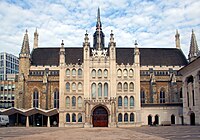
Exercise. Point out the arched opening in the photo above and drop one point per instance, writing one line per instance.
(100, 117)
(156, 119)
(173, 119)
(192, 119)
(149, 120)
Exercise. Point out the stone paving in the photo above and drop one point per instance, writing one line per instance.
(138, 133)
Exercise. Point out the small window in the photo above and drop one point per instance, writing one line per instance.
(125, 73)
(131, 73)
(131, 86)
(125, 86)
(162, 96)
(67, 72)
(73, 86)
(93, 89)
(93, 73)
(56, 99)
(119, 86)
(142, 96)
(132, 101)
(105, 73)
(80, 87)
(67, 86)
(67, 102)
(125, 101)
(35, 99)
(106, 90)
(99, 73)
(73, 101)
(79, 72)
(119, 101)
(120, 117)
(100, 90)
(79, 102)
(119, 73)
(73, 72)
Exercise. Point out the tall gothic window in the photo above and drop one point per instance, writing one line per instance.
(56, 99)
(73, 72)
(80, 86)
(125, 101)
(125, 117)
(67, 102)
(79, 102)
(73, 117)
(119, 86)
(125, 73)
(35, 99)
(67, 72)
(132, 118)
(131, 86)
(73, 86)
(105, 73)
(162, 96)
(99, 73)
(93, 73)
(79, 117)
(99, 90)
(67, 117)
(119, 73)
(106, 90)
(73, 101)
(120, 117)
(93, 89)
(119, 101)
(142, 96)
(131, 101)
(125, 86)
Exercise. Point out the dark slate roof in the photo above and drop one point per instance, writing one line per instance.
(50, 56)
(148, 56)
(152, 56)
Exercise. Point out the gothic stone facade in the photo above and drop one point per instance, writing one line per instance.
(102, 86)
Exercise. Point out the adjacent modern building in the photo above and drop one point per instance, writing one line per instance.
(99, 85)
(9, 64)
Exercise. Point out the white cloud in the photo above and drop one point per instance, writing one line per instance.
(152, 23)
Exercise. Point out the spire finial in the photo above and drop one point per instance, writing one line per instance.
(36, 29)
(177, 40)
(26, 31)
(194, 49)
(62, 44)
(136, 43)
(98, 25)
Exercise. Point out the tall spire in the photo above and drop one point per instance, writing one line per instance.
(98, 37)
(98, 24)
(177, 39)
(25, 50)
(194, 50)
(35, 43)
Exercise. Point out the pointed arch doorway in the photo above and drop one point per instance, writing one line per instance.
(100, 117)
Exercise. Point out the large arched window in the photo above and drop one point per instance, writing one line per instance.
(73, 86)
(125, 117)
(93, 73)
(119, 73)
(106, 90)
(56, 99)
(67, 117)
(80, 87)
(67, 102)
(35, 98)
(73, 117)
(120, 117)
(131, 101)
(162, 95)
(132, 118)
(73, 101)
(131, 86)
(93, 89)
(125, 73)
(125, 101)
(67, 72)
(79, 72)
(119, 101)
(73, 72)
(125, 86)
(119, 86)
(67, 86)
(79, 102)
(79, 117)
(99, 90)
(142, 96)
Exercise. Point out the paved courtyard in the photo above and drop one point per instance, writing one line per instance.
(139, 133)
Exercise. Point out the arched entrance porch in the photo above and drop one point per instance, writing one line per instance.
(100, 117)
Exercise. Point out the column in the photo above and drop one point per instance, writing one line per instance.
(27, 121)
(48, 121)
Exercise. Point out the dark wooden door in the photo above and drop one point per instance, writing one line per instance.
(100, 117)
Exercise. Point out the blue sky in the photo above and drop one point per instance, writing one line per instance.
(152, 23)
